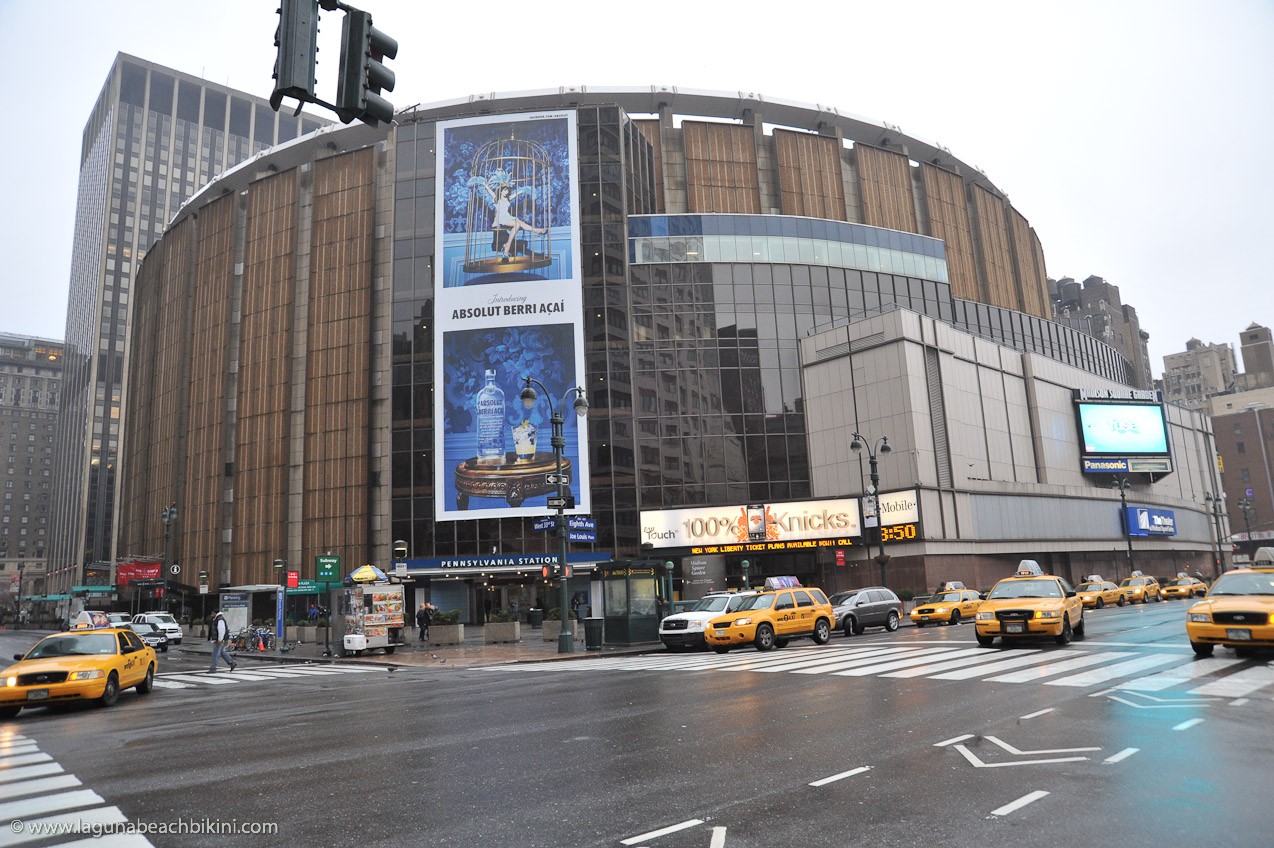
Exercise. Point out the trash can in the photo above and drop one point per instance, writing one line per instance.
(535, 617)
(593, 633)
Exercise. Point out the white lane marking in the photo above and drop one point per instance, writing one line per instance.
(1180, 674)
(1091, 644)
(1006, 746)
(891, 665)
(24, 760)
(1016, 660)
(1238, 684)
(1029, 798)
(172, 684)
(1037, 713)
(664, 831)
(718, 838)
(217, 679)
(1121, 756)
(28, 772)
(1049, 669)
(1186, 725)
(1123, 669)
(976, 763)
(101, 815)
(1238, 702)
(841, 776)
(43, 784)
(49, 804)
(977, 659)
(953, 740)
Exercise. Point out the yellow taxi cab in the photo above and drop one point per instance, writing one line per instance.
(1238, 611)
(1140, 587)
(1096, 593)
(1184, 586)
(84, 663)
(1030, 604)
(951, 604)
(785, 610)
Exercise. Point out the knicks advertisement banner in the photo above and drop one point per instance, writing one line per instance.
(796, 522)
(509, 305)
(127, 572)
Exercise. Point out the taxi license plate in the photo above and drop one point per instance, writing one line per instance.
(1014, 628)
(38, 695)
(924, 618)
(1238, 635)
(720, 632)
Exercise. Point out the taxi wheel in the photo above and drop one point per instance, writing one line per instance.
(9, 712)
(1100, 603)
(148, 682)
(822, 632)
(1202, 649)
(1120, 602)
(721, 649)
(1066, 635)
(764, 637)
(1079, 628)
(111, 693)
(891, 623)
(985, 641)
(955, 618)
(780, 643)
(921, 623)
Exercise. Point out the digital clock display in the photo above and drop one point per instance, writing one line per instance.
(900, 532)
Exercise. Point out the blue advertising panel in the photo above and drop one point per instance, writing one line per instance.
(509, 305)
(1147, 521)
(1123, 429)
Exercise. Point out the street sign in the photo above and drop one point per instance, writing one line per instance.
(581, 536)
(567, 502)
(553, 478)
(579, 522)
(175, 568)
(547, 523)
(203, 588)
(329, 567)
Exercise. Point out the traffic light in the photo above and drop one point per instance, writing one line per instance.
(362, 75)
(297, 40)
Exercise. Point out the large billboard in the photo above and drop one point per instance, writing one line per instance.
(1123, 429)
(509, 305)
(753, 526)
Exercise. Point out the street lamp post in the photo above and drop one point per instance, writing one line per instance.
(1214, 502)
(1245, 504)
(1123, 484)
(21, 569)
(566, 640)
(169, 517)
(881, 446)
(745, 574)
(281, 572)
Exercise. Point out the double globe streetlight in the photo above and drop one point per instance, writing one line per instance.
(1123, 484)
(880, 447)
(169, 517)
(1214, 502)
(566, 639)
(1246, 504)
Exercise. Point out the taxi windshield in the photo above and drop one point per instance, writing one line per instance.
(1088, 587)
(757, 602)
(944, 596)
(76, 645)
(1256, 583)
(711, 604)
(1131, 581)
(1025, 589)
(1180, 581)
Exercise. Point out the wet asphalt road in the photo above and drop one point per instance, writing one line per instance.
(575, 754)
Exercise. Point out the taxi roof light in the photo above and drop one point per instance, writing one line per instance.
(951, 586)
(1137, 573)
(1094, 578)
(1264, 556)
(787, 582)
(1029, 568)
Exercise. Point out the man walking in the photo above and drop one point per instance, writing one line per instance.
(220, 637)
(424, 616)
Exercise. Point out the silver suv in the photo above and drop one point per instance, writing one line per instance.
(163, 620)
(874, 606)
(685, 629)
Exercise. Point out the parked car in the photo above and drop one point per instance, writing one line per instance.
(874, 606)
(685, 629)
(771, 619)
(164, 620)
(152, 634)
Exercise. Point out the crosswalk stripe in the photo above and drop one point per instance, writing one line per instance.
(172, 684)
(962, 662)
(24, 760)
(85, 818)
(110, 840)
(1016, 659)
(1238, 684)
(1180, 674)
(27, 772)
(1123, 669)
(42, 784)
(1049, 669)
(218, 679)
(862, 659)
(814, 660)
(864, 671)
(48, 804)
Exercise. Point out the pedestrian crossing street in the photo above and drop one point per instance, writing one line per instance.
(41, 804)
(255, 674)
(1126, 666)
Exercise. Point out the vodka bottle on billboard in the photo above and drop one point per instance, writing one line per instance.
(490, 403)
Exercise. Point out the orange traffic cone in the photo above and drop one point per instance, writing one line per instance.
(260, 642)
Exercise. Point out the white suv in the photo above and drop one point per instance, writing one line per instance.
(685, 629)
(163, 620)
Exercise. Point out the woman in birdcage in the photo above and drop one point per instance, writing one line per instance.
(500, 196)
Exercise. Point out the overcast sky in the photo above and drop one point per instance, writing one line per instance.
(1134, 136)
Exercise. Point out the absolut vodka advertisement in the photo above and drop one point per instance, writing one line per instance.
(509, 306)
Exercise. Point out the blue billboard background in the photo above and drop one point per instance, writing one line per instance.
(1123, 429)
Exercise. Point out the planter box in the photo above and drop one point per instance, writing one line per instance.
(502, 631)
(553, 629)
(446, 634)
(306, 635)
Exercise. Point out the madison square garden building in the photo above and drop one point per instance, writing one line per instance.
(331, 342)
